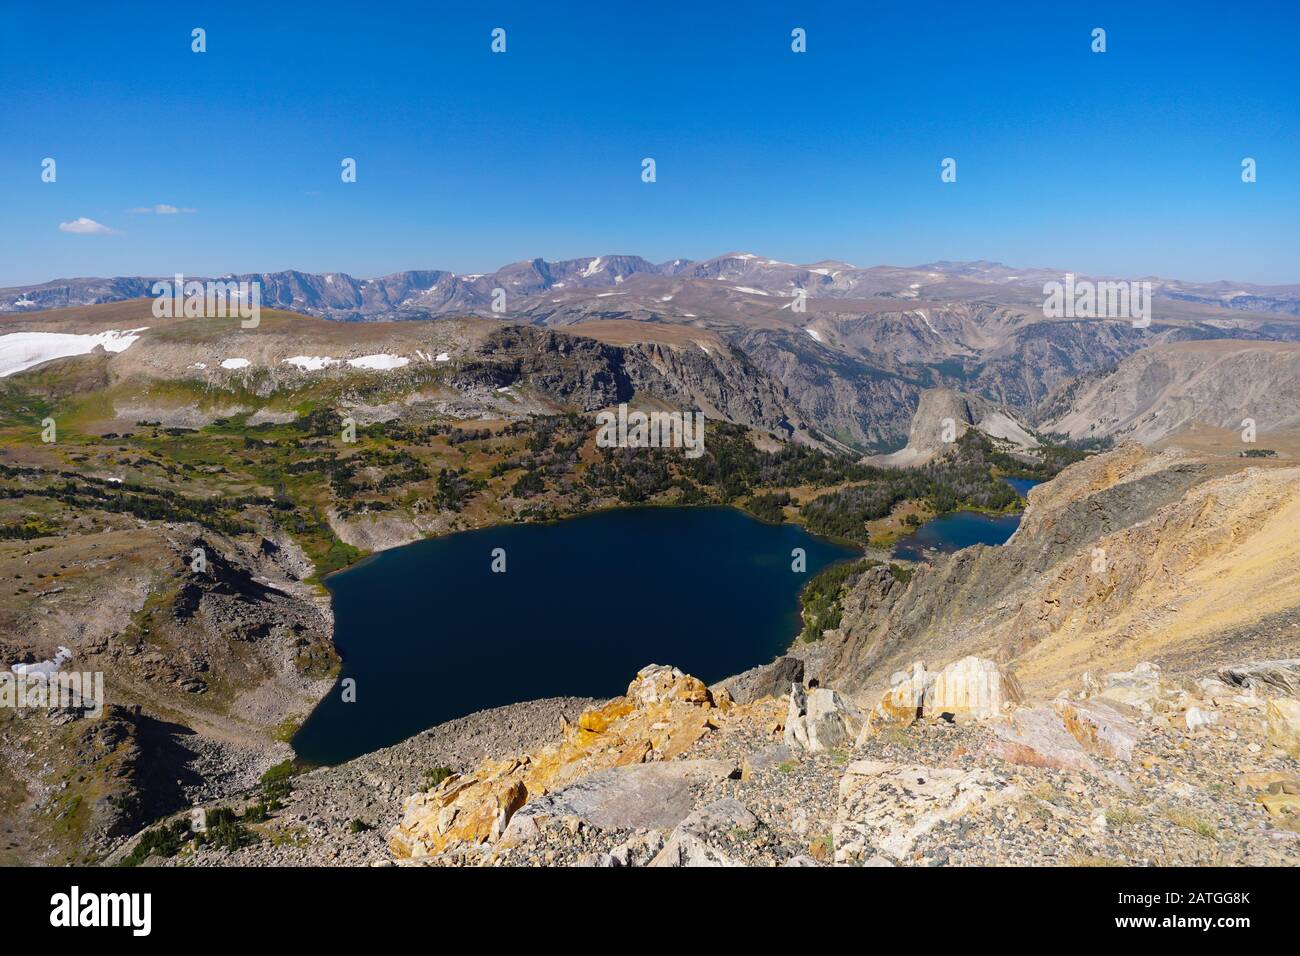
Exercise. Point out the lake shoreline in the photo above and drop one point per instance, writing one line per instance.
(711, 586)
(859, 552)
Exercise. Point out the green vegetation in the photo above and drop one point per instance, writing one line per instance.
(277, 783)
(166, 841)
(225, 831)
(306, 474)
(962, 479)
(769, 507)
(1257, 453)
(1190, 821)
(819, 601)
(33, 527)
(434, 777)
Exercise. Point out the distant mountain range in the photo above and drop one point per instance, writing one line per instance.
(542, 289)
(851, 361)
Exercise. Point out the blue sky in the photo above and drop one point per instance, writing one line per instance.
(1125, 163)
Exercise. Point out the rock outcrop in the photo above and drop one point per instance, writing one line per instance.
(943, 415)
(617, 766)
(972, 688)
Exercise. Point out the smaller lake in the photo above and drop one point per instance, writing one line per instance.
(961, 529)
(429, 632)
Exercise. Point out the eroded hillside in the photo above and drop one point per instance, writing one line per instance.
(1127, 556)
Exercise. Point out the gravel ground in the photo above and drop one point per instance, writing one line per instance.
(315, 828)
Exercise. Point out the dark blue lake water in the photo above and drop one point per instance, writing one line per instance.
(430, 633)
(961, 529)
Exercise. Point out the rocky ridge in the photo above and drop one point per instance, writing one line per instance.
(1127, 768)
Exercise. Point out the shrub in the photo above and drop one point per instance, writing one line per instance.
(436, 776)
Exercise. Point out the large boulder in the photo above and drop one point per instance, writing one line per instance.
(1283, 675)
(766, 680)
(1142, 688)
(819, 719)
(1037, 737)
(1104, 729)
(972, 688)
(1282, 717)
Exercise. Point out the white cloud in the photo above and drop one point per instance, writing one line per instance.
(86, 227)
(161, 209)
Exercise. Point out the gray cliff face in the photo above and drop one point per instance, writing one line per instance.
(588, 375)
(1163, 389)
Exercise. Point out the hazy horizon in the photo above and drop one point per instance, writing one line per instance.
(1026, 267)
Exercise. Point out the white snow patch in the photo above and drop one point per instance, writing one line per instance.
(199, 365)
(592, 267)
(235, 363)
(750, 290)
(689, 315)
(379, 361)
(821, 272)
(44, 668)
(22, 350)
(665, 298)
(815, 334)
(443, 357)
(311, 363)
(605, 295)
(926, 319)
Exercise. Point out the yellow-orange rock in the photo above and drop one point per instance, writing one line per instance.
(662, 715)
